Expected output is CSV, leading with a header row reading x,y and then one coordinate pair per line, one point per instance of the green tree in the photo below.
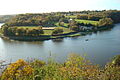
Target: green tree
x,y
116,60
61,23
72,23
74,28
57,30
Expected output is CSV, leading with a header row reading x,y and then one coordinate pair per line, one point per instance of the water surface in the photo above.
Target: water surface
x,y
100,47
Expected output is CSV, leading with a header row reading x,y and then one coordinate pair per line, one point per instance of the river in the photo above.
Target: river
x,y
99,48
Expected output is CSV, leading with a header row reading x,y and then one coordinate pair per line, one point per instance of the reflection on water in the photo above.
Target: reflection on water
x,y
58,40
99,47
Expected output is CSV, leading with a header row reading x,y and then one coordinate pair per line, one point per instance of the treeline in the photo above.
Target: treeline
x,y
5,18
46,19
49,19
16,31
96,16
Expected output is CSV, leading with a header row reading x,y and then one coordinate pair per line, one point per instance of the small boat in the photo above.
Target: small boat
x,y
86,39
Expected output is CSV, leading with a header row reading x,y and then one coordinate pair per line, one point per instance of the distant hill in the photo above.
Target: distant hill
x,y
5,18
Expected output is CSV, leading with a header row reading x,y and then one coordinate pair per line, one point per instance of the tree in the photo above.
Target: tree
x,y
116,60
72,23
74,28
5,30
57,30
61,23
84,17
105,22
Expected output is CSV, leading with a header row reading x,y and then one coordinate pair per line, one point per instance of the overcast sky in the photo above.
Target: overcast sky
x,y
38,6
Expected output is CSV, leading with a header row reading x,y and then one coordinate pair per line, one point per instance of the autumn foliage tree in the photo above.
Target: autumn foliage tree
x,y
18,71
105,22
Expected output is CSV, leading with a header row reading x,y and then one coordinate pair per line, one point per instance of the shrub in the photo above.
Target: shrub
x,y
80,68
105,22
76,67
116,60
111,73
20,70
47,72
74,28
37,63
57,30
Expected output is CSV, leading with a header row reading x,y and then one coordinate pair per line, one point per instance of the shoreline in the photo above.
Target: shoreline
x,y
52,37
39,38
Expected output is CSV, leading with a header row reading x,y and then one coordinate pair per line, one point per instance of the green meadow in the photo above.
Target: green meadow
x,y
87,21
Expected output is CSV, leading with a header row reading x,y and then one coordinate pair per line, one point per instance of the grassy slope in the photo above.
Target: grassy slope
x,y
87,21
83,21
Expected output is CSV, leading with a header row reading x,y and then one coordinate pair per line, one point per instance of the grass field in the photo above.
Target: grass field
x,y
87,21
49,32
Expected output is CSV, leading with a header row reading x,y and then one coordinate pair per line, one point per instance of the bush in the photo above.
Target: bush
x,y
20,70
105,22
116,60
75,67
111,73
74,28
37,63
57,30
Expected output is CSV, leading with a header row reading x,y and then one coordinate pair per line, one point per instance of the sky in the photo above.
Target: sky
x,y
40,6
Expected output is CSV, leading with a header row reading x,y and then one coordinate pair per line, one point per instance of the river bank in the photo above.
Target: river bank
x,y
40,38
48,37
